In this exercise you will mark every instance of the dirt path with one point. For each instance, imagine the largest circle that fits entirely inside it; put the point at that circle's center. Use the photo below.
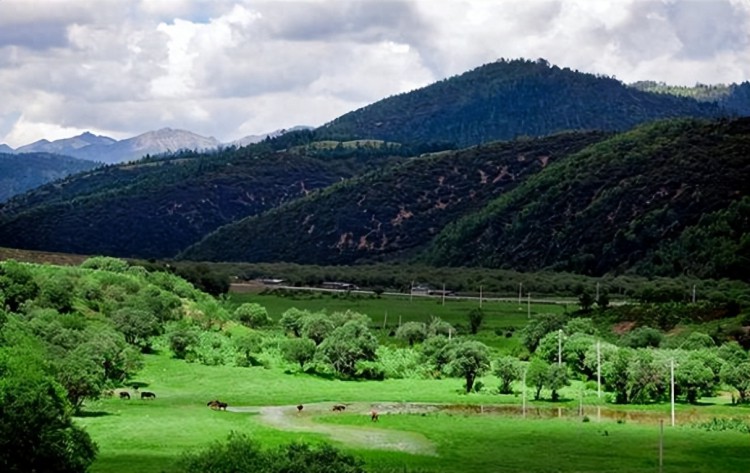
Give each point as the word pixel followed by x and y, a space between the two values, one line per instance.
pixel 287 418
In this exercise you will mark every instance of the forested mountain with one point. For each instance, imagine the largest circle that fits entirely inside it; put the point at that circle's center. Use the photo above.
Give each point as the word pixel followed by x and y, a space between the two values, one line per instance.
pixel 505 99
pixel 22 172
pixel 665 198
pixel 157 207
pixel 387 213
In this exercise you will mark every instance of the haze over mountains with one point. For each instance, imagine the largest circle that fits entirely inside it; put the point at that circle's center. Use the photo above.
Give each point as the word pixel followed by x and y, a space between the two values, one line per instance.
pixel 109 151
pixel 531 165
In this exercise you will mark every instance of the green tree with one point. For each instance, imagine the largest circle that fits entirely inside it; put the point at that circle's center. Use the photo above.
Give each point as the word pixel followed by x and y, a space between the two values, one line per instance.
pixel 183 338
pixel 540 325
pixel 437 326
pixel 537 374
pixel 37 433
pixel 557 378
pixel 615 373
pixel 348 344
pixel 298 350
pixel 412 332
pixel 476 317
pixel 252 315
pixel 508 369
pixel 643 337
pixel 738 377
pixel 693 378
pixel 469 359
pixel 316 326
pixel 436 351
pixel 136 325
pixel 249 345
pixel 17 284
pixel 292 320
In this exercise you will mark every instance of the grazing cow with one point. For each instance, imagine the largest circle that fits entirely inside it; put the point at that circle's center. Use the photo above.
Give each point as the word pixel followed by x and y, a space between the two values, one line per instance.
pixel 217 405
pixel 148 395
pixel 299 408
pixel 374 416
pixel 124 395
pixel 338 408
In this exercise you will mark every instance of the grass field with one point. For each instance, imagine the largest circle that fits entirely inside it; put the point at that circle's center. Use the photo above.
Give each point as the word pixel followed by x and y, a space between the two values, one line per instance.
pixel 148 436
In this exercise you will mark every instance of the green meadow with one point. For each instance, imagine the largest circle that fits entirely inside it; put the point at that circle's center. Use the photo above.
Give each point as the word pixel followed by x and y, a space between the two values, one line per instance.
pixel 150 435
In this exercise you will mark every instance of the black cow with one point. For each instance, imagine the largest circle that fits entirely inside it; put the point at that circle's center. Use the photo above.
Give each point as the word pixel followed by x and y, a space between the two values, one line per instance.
pixel 148 395
pixel 338 408
pixel 124 395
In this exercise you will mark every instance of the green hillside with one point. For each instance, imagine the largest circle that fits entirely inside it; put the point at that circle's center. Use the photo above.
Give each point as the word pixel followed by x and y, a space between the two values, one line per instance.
pixel 22 172
pixel 387 213
pixel 505 99
pixel 647 198
pixel 156 207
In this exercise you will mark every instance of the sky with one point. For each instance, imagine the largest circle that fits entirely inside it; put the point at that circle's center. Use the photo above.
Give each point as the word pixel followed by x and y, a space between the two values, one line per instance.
pixel 232 68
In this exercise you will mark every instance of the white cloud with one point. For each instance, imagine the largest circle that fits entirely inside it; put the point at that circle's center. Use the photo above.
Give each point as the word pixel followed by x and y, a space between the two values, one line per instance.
pixel 227 68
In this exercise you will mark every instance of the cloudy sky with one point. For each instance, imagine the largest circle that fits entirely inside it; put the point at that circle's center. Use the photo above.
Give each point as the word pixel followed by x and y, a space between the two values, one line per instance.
pixel 230 68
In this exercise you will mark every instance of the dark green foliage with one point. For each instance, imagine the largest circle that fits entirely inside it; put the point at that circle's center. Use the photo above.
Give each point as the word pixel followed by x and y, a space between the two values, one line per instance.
pixel 468 359
pixel 158 206
pixel 557 378
pixel 17 285
pixel 539 326
pixel 613 205
pixel 412 332
pixel 292 320
pixel 347 345
pixel 252 315
pixel 22 172
pixel 643 337
pixel 240 453
pixel 738 377
pixel 390 212
pixel 476 317
pixel 204 278
pixel 537 375
pixel 505 99
pixel 298 350
pixel 37 432
pixel 720 424
pixel 508 369
pixel 183 338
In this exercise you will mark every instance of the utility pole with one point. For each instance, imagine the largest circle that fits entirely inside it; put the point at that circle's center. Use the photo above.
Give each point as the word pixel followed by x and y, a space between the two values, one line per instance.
pixel 671 375
pixel 559 347
pixel 661 445
pixel 597 292
pixel 385 319
pixel 528 305
pixel 411 291
pixel 693 293
pixel 599 370
pixel 520 291
pixel 480 297
pixel 524 393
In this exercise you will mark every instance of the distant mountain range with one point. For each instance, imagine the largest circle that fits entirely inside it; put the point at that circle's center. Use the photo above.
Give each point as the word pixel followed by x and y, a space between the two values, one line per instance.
pixel 23 172
pixel 108 150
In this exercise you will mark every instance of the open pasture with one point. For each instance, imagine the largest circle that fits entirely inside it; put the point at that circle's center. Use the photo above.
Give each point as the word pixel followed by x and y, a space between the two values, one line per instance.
pixel 390 309
pixel 145 436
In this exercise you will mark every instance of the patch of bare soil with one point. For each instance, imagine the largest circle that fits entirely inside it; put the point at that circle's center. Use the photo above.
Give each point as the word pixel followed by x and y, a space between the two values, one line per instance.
pixel 290 419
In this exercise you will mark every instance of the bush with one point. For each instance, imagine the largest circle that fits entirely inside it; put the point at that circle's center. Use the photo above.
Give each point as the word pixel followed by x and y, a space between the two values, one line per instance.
pixel 241 453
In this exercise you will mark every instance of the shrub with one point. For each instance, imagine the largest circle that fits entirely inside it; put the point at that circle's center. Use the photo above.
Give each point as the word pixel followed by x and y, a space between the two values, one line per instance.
pixel 241 453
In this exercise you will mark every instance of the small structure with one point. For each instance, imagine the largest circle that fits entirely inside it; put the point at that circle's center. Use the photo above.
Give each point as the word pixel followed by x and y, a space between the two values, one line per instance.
pixel 340 286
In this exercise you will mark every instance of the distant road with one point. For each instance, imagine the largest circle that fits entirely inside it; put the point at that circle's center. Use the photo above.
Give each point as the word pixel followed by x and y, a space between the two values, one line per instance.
pixel 256 286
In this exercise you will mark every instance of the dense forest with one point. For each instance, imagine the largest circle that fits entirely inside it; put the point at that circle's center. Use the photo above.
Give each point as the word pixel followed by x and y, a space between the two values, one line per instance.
pixel 21 173
pixel 611 206
pixel 158 206
pixel 506 99
pixel 388 212
pixel 644 201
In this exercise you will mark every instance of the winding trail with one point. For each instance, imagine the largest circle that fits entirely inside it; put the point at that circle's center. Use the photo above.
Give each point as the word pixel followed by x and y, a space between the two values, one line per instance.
pixel 287 418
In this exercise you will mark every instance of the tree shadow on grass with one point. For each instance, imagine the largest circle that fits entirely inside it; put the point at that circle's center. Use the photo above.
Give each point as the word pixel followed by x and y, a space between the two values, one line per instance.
pixel 86 414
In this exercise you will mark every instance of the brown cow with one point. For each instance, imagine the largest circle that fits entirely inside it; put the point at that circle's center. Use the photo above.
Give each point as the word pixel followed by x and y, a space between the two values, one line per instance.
pixel 338 408
pixel 217 405
pixel 299 408
pixel 374 416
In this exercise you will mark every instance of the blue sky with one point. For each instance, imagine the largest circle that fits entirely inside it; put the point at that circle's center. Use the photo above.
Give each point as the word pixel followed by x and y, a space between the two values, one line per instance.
pixel 234 68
